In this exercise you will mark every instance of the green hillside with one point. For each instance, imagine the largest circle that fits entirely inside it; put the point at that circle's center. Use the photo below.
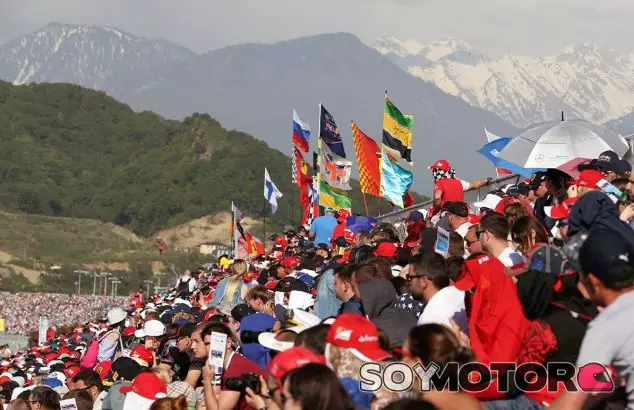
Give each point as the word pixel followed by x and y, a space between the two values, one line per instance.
pixel 73 152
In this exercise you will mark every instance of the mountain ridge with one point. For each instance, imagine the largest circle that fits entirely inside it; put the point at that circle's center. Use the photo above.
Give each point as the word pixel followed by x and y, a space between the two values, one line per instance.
pixel 587 81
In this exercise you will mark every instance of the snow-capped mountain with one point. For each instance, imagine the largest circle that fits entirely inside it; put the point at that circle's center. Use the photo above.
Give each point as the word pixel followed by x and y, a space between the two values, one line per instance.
pixel 96 57
pixel 586 81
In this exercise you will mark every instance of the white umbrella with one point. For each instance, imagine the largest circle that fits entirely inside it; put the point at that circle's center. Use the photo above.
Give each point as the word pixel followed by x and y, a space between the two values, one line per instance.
pixel 551 144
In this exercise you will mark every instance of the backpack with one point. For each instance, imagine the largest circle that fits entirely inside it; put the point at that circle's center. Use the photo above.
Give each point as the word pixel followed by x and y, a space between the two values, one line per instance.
pixel 90 359
pixel 183 286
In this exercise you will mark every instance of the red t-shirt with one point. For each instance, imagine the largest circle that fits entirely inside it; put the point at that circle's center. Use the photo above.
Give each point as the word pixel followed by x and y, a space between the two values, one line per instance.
pixel 238 366
pixel 451 189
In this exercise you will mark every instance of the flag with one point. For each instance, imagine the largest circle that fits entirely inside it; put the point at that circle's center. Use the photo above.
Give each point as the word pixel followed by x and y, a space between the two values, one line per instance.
pixel 329 132
pixel 236 220
pixel 395 181
pixel 312 211
pixel 301 132
pixel 368 154
pixel 301 177
pixel 335 170
pixel 490 138
pixel 491 151
pixel 271 193
pixel 397 130
pixel 329 198
pixel 250 247
pixel 360 223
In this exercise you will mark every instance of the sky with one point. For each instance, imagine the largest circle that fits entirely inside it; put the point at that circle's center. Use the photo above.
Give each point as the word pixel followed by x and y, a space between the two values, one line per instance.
pixel 494 27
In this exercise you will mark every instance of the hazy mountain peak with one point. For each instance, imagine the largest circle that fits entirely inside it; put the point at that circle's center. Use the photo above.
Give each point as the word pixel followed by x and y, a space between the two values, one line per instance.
pixel 588 80
pixel 402 48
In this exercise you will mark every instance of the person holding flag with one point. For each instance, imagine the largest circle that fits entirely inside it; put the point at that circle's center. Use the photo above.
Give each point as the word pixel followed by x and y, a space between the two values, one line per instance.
pixel 447 188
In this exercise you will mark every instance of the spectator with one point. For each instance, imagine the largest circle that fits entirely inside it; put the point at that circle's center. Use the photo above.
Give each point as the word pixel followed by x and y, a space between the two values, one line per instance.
pixel 345 292
pixel 322 228
pixel 493 234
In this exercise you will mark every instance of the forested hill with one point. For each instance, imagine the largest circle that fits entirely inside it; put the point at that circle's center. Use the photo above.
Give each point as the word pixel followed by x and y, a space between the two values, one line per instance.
pixel 69 151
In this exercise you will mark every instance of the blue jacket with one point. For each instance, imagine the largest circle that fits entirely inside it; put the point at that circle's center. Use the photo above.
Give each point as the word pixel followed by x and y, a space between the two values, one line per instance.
pixel 326 302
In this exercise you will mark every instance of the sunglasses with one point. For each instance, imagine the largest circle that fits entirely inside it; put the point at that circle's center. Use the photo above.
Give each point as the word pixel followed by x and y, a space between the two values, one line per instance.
pixel 409 278
pixel 478 233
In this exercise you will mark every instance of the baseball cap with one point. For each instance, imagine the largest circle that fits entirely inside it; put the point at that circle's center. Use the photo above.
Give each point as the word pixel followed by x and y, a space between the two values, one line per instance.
pixel 142 355
pixel 441 164
pixel 561 211
pixel 185 330
pixel 357 333
pixel 537 179
pixel 490 201
pixel 548 259
pixel 291 359
pixel 386 249
pixel 144 390
pixel 125 368
pixel 588 178
pixel 457 208
pixel 415 216
pixel 607 255
pixel 271 341
pixel 608 161
pixel 116 315
pixel 153 328
pixel 71 371
pixel 241 311
pixel 103 369
pixel 501 206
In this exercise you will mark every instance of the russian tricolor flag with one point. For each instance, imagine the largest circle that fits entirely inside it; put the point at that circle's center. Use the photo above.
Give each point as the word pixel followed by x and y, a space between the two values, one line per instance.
pixel 301 132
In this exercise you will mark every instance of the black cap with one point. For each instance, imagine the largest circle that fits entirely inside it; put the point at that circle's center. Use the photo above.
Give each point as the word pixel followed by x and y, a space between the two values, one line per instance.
pixel 458 208
pixel 623 167
pixel 185 330
pixel 548 259
pixel 607 255
pixel 124 368
pixel 537 179
pixel 608 161
pixel 241 311
pixel 341 242
pixel 415 216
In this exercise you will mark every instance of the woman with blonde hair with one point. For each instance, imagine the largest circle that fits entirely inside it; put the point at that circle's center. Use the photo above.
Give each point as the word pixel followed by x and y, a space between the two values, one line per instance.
pixel 232 289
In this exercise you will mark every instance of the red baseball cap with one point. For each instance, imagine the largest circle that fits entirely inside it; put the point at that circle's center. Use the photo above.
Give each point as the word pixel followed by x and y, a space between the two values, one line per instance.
pixel 561 211
pixel 148 386
pixel 129 331
pixel 441 164
pixel 588 178
pixel 71 371
pixel 103 369
pixel 355 332
pixel 290 359
pixel 142 355
pixel 386 249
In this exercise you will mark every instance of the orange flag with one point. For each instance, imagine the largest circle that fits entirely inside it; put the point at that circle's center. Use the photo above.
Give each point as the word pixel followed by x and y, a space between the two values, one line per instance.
pixel 368 154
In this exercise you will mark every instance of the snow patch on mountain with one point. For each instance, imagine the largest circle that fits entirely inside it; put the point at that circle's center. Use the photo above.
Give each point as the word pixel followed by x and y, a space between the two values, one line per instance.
pixel 587 80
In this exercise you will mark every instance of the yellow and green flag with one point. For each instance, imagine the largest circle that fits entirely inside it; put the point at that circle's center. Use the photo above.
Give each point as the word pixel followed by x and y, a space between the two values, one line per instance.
pixel 331 198
pixel 397 131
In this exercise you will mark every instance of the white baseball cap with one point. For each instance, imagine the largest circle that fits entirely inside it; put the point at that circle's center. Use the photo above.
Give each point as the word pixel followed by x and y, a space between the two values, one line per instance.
pixel 116 315
pixel 490 201
pixel 152 328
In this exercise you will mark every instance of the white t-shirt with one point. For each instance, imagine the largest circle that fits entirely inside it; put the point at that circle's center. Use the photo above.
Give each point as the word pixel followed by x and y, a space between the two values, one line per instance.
pixel 465 185
pixel 191 285
pixel 446 304
pixel 510 258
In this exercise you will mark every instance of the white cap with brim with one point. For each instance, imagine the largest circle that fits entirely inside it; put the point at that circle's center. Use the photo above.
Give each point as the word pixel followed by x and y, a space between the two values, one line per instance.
pixel 302 318
pixel 267 339
pixel 152 328
pixel 490 201
pixel 134 401
pixel 116 315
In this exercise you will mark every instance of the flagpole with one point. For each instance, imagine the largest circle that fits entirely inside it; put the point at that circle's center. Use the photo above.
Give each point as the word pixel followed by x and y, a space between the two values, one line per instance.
pixel 318 161
pixel 264 222
pixel 292 207
pixel 365 202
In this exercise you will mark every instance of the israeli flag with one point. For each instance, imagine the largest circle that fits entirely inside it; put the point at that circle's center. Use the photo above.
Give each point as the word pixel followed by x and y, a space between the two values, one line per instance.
pixel 271 193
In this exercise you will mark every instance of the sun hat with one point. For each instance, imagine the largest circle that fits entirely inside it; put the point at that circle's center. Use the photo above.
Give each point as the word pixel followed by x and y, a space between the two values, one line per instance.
pixel 116 315
pixel 153 328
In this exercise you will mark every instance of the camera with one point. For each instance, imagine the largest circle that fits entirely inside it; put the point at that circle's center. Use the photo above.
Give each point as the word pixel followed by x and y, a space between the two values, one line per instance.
pixel 241 383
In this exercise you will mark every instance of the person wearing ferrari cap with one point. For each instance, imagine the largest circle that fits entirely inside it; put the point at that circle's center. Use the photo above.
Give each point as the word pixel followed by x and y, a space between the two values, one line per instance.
pixel 447 187
pixel 352 341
